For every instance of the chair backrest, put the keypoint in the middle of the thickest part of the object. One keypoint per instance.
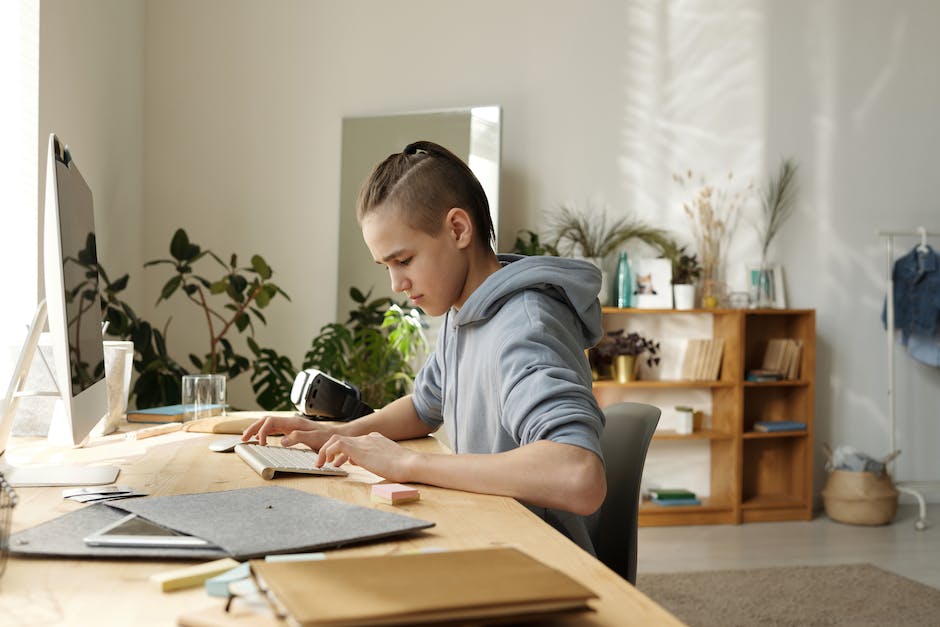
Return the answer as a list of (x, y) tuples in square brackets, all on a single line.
[(626, 439)]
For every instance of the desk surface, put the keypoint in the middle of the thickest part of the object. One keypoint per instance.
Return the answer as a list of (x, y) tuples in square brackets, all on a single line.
[(118, 592)]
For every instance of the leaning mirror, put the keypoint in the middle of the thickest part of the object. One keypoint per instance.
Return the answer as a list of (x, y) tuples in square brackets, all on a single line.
[(472, 133)]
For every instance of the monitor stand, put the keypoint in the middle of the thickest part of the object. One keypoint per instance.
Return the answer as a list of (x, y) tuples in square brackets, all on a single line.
[(40, 476)]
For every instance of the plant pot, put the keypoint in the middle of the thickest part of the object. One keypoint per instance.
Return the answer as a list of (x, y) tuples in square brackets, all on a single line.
[(624, 368), (684, 295)]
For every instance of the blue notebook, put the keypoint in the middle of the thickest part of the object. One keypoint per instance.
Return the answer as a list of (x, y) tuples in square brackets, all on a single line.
[(166, 413), (768, 426)]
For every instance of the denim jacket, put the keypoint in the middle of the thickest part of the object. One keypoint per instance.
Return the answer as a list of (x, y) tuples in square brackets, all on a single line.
[(916, 294)]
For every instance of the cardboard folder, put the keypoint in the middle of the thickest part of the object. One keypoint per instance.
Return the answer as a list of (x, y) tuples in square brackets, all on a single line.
[(244, 523), (408, 589)]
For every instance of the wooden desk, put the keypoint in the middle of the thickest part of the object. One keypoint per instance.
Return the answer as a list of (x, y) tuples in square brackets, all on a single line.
[(118, 592)]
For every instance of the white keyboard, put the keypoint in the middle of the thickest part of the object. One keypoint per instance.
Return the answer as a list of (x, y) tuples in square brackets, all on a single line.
[(267, 460)]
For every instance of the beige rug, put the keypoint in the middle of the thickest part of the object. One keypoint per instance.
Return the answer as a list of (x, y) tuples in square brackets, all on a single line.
[(853, 594)]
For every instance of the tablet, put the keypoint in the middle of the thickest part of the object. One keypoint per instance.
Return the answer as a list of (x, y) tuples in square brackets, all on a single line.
[(132, 530)]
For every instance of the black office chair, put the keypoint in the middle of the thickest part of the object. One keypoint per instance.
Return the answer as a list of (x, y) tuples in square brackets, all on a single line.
[(626, 438)]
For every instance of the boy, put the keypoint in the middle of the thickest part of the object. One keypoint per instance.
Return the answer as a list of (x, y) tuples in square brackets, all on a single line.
[(508, 378)]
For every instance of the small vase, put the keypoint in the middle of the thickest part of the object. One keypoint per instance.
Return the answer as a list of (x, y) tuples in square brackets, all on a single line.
[(765, 287), (624, 367), (684, 295), (712, 287)]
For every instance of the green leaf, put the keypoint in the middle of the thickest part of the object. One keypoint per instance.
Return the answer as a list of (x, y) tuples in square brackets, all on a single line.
[(263, 298), (120, 284), (242, 322), (219, 286), (259, 315), (179, 245), (261, 267), (157, 262), (238, 283), (171, 286)]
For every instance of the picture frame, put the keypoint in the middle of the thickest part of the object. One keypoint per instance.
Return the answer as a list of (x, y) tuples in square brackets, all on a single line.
[(651, 280), (776, 286)]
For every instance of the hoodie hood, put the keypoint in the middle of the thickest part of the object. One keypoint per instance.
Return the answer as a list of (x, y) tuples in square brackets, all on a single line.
[(572, 281)]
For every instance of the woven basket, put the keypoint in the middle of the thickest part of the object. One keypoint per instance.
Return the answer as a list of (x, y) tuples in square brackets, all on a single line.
[(860, 498)]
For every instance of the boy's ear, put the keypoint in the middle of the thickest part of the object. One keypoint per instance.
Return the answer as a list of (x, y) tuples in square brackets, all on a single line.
[(459, 226)]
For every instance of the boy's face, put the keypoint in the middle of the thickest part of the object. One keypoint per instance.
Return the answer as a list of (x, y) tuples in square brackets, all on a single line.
[(430, 269)]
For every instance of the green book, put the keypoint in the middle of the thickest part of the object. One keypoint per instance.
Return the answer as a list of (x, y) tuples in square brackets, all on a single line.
[(663, 494)]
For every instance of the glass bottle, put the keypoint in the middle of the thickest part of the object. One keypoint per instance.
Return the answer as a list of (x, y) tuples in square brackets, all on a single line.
[(623, 285)]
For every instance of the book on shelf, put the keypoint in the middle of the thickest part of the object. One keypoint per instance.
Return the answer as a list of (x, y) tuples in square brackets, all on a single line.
[(759, 374), (783, 357), (773, 426), (676, 502), (165, 413), (463, 585), (702, 360), (665, 494)]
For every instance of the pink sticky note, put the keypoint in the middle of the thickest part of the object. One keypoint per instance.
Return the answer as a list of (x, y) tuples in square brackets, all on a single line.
[(394, 492)]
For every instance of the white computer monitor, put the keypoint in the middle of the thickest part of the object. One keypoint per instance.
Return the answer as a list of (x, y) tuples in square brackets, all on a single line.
[(73, 309), (69, 269)]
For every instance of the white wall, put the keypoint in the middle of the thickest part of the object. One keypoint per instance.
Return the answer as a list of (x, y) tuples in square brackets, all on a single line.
[(602, 100), (91, 95)]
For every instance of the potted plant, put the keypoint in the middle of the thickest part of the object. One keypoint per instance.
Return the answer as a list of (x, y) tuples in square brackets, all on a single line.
[(528, 243), (373, 350), (594, 238), (777, 204), (686, 271), (618, 353)]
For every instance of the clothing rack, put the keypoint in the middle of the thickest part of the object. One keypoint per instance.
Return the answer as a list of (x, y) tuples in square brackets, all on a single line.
[(914, 488)]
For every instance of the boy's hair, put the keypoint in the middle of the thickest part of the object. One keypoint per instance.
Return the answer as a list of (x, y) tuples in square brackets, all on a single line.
[(425, 181)]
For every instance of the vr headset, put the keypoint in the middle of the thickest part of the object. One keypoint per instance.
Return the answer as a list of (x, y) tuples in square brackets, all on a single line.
[(319, 396)]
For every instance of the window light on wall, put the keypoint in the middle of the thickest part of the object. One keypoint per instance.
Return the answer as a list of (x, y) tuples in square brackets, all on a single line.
[(19, 173)]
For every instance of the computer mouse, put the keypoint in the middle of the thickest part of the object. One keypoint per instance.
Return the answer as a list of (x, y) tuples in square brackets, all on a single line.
[(228, 444)]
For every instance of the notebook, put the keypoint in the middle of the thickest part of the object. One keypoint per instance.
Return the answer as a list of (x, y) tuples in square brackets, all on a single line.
[(466, 585)]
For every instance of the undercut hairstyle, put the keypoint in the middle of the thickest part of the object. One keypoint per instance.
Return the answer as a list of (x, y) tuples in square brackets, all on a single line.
[(424, 182)]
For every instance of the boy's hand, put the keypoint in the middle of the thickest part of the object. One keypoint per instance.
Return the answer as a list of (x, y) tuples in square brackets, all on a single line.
[(294, 428), (374, 452)]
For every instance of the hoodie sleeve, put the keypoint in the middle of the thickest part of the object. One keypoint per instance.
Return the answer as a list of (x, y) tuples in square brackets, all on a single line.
[(545, 391), (426, 395)]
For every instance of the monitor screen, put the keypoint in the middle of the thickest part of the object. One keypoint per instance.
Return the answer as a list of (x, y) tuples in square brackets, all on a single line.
[(79, 274), (70, 271)]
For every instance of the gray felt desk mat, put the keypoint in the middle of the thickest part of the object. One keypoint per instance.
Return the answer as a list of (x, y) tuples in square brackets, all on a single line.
[(63, 537), (245, 523)]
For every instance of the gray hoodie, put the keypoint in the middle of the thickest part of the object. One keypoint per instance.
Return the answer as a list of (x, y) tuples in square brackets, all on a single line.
[(509, 367)]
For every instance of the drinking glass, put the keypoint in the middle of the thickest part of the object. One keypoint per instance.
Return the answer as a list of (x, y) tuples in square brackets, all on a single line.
[(203, 396)]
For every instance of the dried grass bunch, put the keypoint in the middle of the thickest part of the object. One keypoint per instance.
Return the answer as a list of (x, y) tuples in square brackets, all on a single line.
[(777, 201), (714, 212)]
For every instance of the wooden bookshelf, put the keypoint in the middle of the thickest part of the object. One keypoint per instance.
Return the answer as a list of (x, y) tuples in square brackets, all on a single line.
[(754, 476)]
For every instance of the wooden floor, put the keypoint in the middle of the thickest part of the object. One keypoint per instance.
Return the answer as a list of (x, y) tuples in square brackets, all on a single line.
[(896, 547)]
